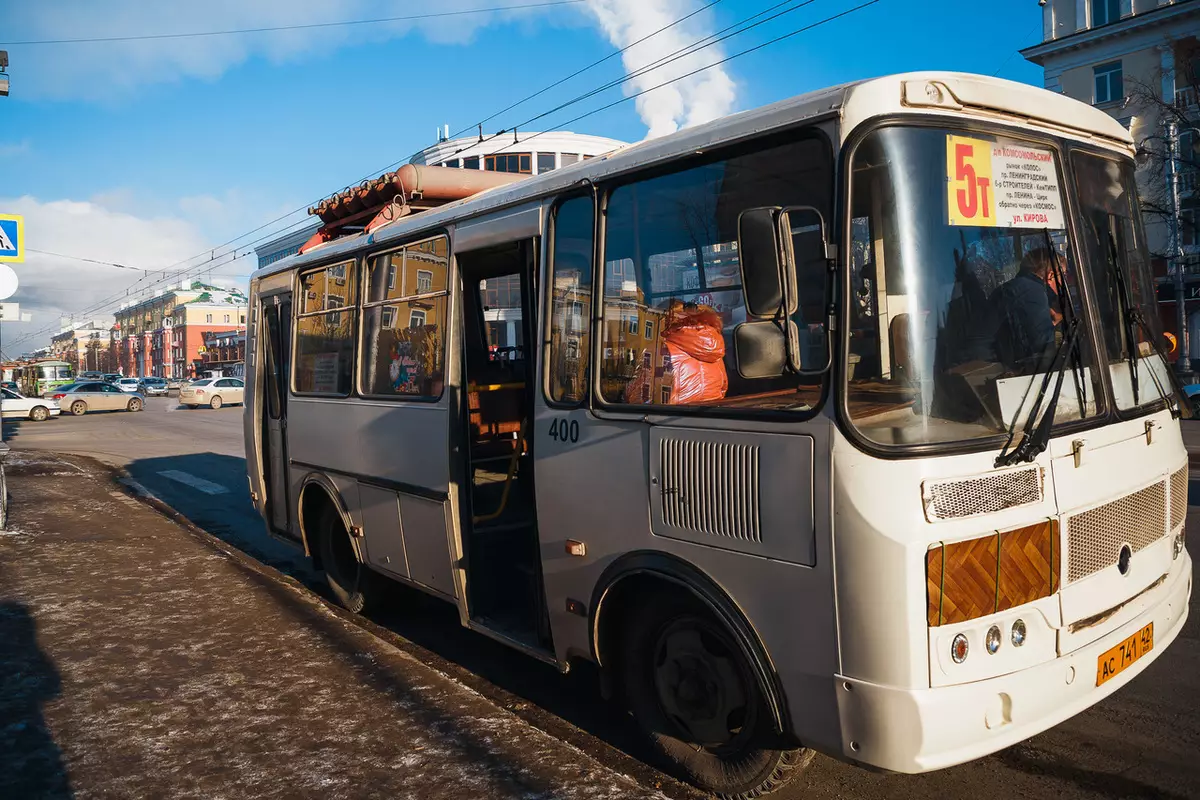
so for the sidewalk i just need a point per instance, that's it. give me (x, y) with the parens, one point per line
(136, 660)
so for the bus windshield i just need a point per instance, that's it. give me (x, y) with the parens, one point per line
(963, 288)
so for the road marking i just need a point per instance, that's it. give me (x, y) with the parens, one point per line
(199, 484)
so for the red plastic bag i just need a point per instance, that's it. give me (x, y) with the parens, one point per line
(695, 354)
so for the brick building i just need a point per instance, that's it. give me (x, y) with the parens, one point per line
(163, 335)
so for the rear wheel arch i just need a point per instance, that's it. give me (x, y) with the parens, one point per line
(617, 592)
(318, 492)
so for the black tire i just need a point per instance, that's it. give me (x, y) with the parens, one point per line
(39, 414)
(355, 587)
(721, 739)
(79, 408)
(135, 404)
(215, 403)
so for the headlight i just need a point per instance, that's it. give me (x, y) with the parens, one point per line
(1177, 546)
(1018, 633)
(992, 642)
(959, 648)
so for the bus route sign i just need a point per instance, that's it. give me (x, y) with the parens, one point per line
(12, 238)
(1002, 184)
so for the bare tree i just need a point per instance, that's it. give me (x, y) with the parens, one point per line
(1144, 98)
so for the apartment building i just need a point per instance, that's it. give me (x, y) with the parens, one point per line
(162, 335)
(85, 347)
(1137, 60)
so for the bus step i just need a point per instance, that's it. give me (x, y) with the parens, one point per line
(504, 526)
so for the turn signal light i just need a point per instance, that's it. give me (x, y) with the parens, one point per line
(1003, 570)
(959, 648)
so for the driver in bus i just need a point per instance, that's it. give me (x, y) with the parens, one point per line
(1027, 310)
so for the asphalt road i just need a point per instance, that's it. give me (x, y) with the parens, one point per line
(1142, 742)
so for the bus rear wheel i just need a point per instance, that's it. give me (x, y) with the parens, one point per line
(353, 585)
(695, 696)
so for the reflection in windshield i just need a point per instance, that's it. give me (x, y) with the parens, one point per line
(962, 287)
(1116, 257)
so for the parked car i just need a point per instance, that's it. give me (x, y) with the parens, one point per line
(11, 386)
(1193, 394)
(112, 377)
(153, 386)
(128, 384)
(80, 398)
(90, 376)
(17, 406)
(213, 392)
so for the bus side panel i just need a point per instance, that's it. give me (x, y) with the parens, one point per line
(596, 489)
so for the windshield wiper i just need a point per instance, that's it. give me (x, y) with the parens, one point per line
(1036, 432)
(1128, 316)
(1035, 435)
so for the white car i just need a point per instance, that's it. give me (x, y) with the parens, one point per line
(213, 392)
(128, 384)
(18, 406)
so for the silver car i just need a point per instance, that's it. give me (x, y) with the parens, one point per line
(213, 392)
(80, 398)
(17, 406)
(129, 384)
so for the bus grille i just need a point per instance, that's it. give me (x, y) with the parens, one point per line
(1179, 496)
(711, 487)
(984, 494)
(1095, 536)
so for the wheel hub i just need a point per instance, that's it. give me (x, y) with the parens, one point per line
(699, 685)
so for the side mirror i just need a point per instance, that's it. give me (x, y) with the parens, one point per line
(762, 348)
(761, 258)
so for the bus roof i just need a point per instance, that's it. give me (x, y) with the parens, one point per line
(854, 103)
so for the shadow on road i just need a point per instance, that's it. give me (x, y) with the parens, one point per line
(30, 762)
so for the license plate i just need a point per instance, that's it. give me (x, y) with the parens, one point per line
(1113, 662)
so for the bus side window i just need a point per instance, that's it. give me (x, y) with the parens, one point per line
(325, 331)
(571, 301)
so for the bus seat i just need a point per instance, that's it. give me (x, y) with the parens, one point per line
(495, 415)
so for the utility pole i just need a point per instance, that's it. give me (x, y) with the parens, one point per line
(1183, 365)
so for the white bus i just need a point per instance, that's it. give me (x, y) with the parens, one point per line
(841, 425)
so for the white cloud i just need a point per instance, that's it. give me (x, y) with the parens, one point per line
(11, 150)
(103, 71)
(689, 101)
(52, 287)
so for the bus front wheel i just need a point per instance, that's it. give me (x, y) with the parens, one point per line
(353, 585)
(694, 694)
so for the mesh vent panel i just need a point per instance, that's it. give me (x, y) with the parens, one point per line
(986, 494)
(1094, 537)
(1179, 496)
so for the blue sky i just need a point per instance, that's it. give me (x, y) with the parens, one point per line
(148, 152)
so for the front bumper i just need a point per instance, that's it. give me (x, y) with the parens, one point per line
(911, 731)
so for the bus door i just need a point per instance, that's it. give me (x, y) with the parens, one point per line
(275, 330)
(504, 594)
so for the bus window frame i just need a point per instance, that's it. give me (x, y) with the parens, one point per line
(1061, 145)
(818, 130)
(298, 295)
(548, 306)
(363, 305)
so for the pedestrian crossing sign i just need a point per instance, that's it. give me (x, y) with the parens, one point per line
(12, 238)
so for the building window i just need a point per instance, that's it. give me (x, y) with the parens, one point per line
(398, 361)
(391, 281)
(471, 162)
(1189, 219)
(242, 319)
(208, 317)
(1105, 11)
(508, 162)
(545, 162)
(227, 318)
(633, 325)
(1109, 84)
(571, 286)
(424, 281)
(649, 330)
(452, 163)
(568, 158)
